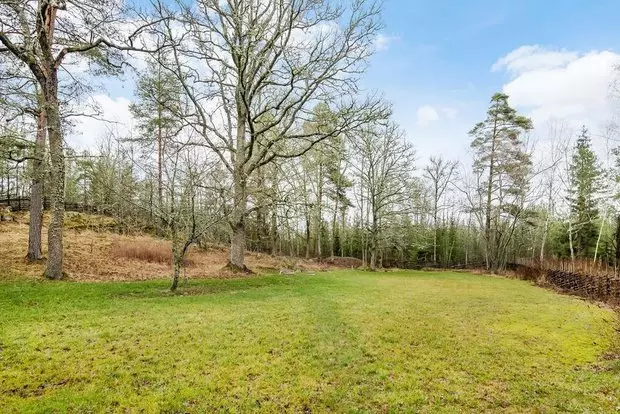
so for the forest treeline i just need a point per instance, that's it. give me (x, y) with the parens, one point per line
(251, 129)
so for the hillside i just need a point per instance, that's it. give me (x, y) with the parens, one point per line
(93, 253)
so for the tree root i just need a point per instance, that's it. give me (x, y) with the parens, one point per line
(237, 269)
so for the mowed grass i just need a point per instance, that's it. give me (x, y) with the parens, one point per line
(341, 342)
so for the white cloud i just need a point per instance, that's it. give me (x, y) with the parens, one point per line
(534, 57)
(562, 85)
(383, 42)
(426, 115)
(89, 131)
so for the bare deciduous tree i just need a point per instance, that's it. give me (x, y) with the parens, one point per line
(254, 70)
(384, 165)
(440, 173)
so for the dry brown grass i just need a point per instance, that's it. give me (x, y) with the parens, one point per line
(105, 256)
(152, 252)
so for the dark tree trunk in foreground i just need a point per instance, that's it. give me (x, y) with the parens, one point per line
(57, 175)
(36, 193)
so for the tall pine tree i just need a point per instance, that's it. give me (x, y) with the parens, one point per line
(157, 109)
(503, 164)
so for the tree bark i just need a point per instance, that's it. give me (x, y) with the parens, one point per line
(334, 229)
(342, 231)
(600, 234)
(487, 225)
(307, 234)
(435, 203)
(319, 213)
(177, 272)
(240, 196)
(570, 240)
(57, 174)
(237, 245)
(617, 240)
(374, 244)
(35, 225)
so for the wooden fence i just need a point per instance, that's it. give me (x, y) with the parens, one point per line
(417, 265)
(595, 281)
(23, 204)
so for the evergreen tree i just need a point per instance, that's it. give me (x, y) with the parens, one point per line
(502, 162)
(157, 110)
(585, 178)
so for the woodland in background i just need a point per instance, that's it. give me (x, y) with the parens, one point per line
(262, 145)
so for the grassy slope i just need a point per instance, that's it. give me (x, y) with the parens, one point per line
(341, 341)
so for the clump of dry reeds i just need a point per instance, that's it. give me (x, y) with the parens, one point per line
(148, 251)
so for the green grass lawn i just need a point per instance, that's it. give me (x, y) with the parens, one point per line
(343, 342)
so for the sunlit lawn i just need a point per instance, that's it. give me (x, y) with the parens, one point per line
(347, 341)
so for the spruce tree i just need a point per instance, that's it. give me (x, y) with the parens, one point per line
(585, 178)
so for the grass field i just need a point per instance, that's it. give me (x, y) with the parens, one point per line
(340, 341)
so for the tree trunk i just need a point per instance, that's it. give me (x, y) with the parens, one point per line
(273, 232)
(177, 271)
(57, 179)
(373, 253)
(544, 238)
(373, 244)
(334, 229)
(570, 240)
(237, 239)
(273, 225)
(600, 234)
(342, 231)
(36, 192)
(435, 203)
(319, 214)
(240, 197)
(487, 224)
(617, 240)
(307, 234)
(179, 250)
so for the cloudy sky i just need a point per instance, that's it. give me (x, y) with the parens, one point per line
(440, 61)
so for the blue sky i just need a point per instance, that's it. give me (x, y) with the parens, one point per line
(441, 54)
(440, 61)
